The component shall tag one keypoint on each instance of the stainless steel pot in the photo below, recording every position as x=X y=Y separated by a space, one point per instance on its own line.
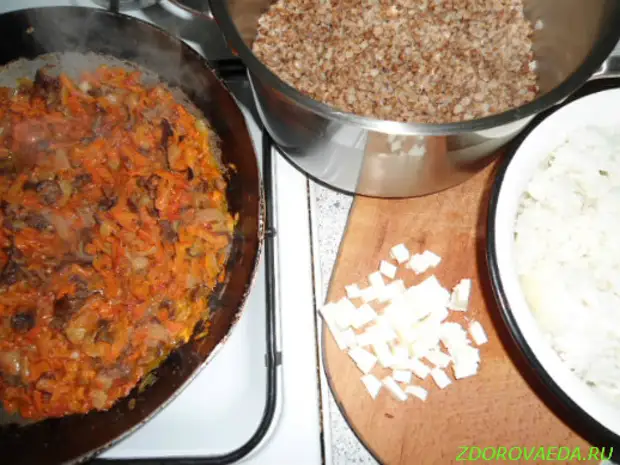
x=354 y=154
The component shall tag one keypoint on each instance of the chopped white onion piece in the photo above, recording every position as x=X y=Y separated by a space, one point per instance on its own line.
x=441 y=378
x=394 y=389
x=421 y=262
x=400 y=353
x=465 y=355
x=376 y=280
x=418 y=264
x=477 y=333
x=369 y=294
x=400 y=253
x=396 y=145
x=364 y=315
x=402 y=376
x=464 y=370
x=438 y=358
x=387 y=269
x=419 y=368
x=372 y=384
x=368 y=337
x=399 y=363
x=426 y=338
x=417 y=150
x=341 y=341
x=387 y=332
x=383 y=353
x=417 y=391
x=344 y=313
x=459 y=300
x=346 y=304
x=392 y=290
x=395 y=311
x=432 y=258
x=422 y=346
x=397 y=318
x=353 y=291
x=364 y=360
x=430 y=292
x=327 y=311
x=349 y=338
x=440 y=314
x=453 y=335
x=420 y=312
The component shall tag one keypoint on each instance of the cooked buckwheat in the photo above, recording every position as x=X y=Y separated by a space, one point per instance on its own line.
x=426 y=61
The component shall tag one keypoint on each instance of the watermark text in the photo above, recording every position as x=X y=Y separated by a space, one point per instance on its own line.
x=542 y=453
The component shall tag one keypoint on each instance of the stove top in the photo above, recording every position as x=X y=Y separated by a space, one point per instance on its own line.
x=239 y=409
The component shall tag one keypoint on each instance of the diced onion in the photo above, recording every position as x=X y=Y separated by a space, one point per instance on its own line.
x=106 y=229
x=201 y=127
x=76 y=335
x=10 y=363
x=105 y=382
x=209 y=215
x=60 y=224
x=61 y=161
x=157 y=333
x=140 y=263
x=174 y=153
x=99 y=398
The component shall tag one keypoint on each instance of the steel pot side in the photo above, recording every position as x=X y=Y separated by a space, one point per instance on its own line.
x=357 y=154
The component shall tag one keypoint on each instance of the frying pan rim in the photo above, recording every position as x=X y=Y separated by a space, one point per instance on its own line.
x=260 y=220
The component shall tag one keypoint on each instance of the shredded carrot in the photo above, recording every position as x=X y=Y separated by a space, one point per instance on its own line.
x=114 y=229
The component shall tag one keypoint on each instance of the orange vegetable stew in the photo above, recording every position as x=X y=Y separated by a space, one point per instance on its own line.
x=114 y=231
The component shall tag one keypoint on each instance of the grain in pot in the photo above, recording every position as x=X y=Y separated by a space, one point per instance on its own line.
x=425 y=61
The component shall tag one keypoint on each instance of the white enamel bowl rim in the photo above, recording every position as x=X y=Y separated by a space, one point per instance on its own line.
x=599 y=108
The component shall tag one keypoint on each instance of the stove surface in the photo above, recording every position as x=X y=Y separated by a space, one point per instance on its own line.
x=220 y=411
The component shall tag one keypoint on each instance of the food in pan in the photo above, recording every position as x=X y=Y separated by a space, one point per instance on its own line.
x=114 y=231
x=424 y=61
x=566 y=252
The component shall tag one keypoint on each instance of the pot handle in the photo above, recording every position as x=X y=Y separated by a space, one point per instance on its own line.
x=610 y=67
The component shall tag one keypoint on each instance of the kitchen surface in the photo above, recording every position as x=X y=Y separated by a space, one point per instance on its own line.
x=268 y=410
x=331 y=211
x=265 y=415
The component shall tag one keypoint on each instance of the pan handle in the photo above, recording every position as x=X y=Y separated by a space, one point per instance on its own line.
x=610 y=67
x=228 y=68
x=198 y=8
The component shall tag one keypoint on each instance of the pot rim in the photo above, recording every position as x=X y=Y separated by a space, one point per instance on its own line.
x=606 y=43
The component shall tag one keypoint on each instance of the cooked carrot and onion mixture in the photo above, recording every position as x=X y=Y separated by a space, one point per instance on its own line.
x=114 y=229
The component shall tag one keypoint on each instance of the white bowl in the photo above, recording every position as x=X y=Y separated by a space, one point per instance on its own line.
x=598 y=108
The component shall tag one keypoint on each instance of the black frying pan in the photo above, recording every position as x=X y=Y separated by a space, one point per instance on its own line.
x=73 y=36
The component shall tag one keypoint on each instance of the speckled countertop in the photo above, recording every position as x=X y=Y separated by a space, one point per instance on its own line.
x=331 y=217
x=332 y=211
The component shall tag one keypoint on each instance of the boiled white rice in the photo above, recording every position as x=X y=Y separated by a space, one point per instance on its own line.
x=567 y=247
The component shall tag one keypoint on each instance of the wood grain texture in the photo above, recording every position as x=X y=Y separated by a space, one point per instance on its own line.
x=502 y=405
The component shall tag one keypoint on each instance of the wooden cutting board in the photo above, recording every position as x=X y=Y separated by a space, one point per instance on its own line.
x=504 y=405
